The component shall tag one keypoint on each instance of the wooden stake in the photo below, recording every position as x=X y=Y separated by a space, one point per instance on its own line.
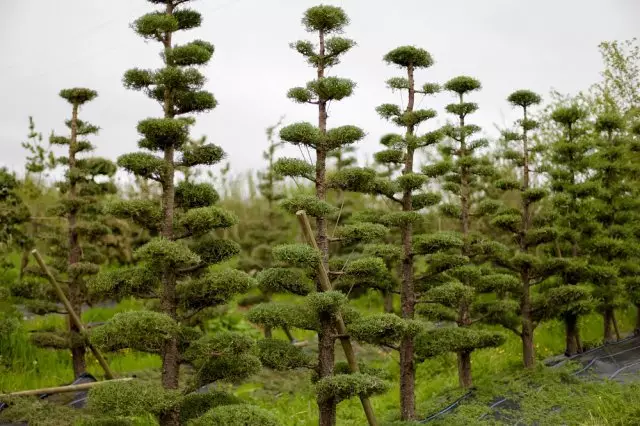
x=72 y=314
x=61 y=389
x=345 y=341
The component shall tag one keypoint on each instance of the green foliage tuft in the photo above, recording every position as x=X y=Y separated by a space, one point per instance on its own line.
x=280 y=280
x=167 y=253
x=78 y=95
x=236 y=415
x=131 y=398
x=327 y=19
x=524 y=98
x=462 y=84
x=213 y=289
x=362 y=233
x=145 y=331
x=199 y=221
x=195 y=405
x=189 y=195
x=406 y=56
x=344 y=386
x=300 y=255
x=310 y=204
x=282 y=355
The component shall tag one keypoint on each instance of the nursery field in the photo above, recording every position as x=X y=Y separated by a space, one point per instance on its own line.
x=455 y=276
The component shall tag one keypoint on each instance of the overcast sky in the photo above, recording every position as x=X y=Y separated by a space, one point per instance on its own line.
x=507 y=44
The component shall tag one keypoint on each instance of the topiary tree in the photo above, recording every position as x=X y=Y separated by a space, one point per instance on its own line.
x=406 y=192
x=324 y=308
x=572 y=191
x=459 y=267
x=72 y=246
x=402 y=150
x=173 y=267
x=529 y=228
x=613 y=246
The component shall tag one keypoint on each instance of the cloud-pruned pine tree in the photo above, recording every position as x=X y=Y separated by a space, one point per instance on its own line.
x=572 y=191
x=613 y=247
x=412 y=199
x=324 y=310
x=406 y=192
x=173 y=267
x=459 y=262
x=529 y=227
x=73 y=245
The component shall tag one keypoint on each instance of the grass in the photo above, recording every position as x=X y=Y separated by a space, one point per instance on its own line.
x=545 y=396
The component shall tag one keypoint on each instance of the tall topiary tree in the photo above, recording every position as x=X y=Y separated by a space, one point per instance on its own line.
x=173 y=266
x=529 y=228
x=404 y=147
x=572 y=191
x=405 y=191
x=72 y=247
x=325 y=309
x=613 y=246
x=459 y=262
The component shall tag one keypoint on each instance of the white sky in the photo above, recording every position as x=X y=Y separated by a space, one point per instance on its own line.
x=507 y=44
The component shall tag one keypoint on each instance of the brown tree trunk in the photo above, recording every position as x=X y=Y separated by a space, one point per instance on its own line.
x=168 y=300
x=528 y=350
x=78 y=350
x=24 y=262
x=327 y=408
x=572 y=335
x=326 y=355
x=615 y=325
x=407 y=290
x=464 y=369
x=608 y=325
x=637 y=329
x=288 y=333
x=464 y=358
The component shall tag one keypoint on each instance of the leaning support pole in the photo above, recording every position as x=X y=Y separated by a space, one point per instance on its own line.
x=325 y=284
x=61 y=389
x=74 y=317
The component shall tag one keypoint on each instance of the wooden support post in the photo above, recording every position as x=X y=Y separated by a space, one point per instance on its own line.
x=61 y=389
x=345 y=341
x=73 y=315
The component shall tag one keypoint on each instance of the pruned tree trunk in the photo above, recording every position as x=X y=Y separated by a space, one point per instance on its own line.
x=78 y=350
x=168 y=300
x=326 y=355
x=464 y=369
x=572 y=335
x=615 y=325
x=528 y=350
x=407 y=290
x=608 y=325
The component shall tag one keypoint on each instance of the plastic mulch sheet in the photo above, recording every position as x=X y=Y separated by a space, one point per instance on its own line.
x=619 y=361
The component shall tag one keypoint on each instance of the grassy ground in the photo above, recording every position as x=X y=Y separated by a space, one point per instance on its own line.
x=543 y=397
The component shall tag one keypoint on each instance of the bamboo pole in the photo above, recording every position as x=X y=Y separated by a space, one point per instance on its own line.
x=61 y=389
x=345 y=341
x=73 y=315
